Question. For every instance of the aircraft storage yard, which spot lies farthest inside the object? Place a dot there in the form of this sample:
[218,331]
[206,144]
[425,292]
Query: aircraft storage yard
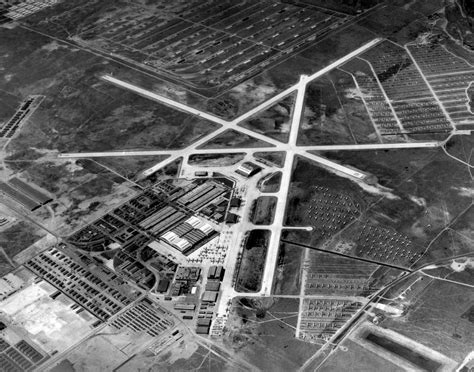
[279,185]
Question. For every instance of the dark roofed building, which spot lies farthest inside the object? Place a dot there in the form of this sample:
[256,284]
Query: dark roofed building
[231,218]
[204,322]
[163,285]
[18,196]
[29,191]
[235,203]
[202,330]
[213,285]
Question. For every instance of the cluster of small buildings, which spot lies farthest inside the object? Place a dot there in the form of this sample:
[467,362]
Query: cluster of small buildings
[209,298]
[185,279]
[9,284]
[26,109]
[77,282]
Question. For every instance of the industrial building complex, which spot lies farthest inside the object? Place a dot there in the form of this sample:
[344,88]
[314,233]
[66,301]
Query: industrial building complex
[236,185]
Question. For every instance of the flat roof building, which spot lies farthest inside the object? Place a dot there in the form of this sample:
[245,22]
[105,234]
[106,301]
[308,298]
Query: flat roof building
[163,285]
[9,284]
[209,296]
[231,218]
[30,191]
[235,202]
[202,330]
[204,322]
[185,306]
[19,197]
[213,285]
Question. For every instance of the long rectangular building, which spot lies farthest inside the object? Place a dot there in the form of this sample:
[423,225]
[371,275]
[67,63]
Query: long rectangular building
[30,191]
[19,197]
[81,285]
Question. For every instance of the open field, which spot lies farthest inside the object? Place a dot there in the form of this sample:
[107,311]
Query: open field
[192,356]
[392,167]
[448,244]
[334,113]
[264,211]
[215,160]
[81,112]
[14,239]
[266,326]
[270,183]
[276,158]
[130,166]
[9,104]
[460,270]
[81,190]
[170,170]
[231,138]
[350,353]
[252,263]
[274,122]
[428,191]
[421,321]
[288,272]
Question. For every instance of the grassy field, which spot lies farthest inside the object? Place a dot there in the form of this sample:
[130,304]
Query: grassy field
[9,104]
[275,122]
[80,111]
[233,139]
[276,158]
[270,183]
[215,160]
[428,193]
[170,170]
[333,114]
[81,191]
[360,359]
[287,279]
[130,166]
[266,326]
[391,167]
[264,211]
[252,266]
[14,239]
[441,300]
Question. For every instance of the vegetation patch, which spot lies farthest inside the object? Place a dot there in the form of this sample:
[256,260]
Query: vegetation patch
[263,211]
[252,262]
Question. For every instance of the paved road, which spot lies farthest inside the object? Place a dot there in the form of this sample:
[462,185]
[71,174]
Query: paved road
[290,148]
[371,146]
[159,98]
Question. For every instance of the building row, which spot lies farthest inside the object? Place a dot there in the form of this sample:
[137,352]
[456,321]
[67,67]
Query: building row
[24,194]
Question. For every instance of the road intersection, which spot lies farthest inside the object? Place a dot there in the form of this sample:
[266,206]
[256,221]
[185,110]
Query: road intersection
[291,149]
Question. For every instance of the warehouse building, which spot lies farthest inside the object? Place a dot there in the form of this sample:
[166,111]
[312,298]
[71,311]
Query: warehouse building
[248,169]
[19,197]
[31,192]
